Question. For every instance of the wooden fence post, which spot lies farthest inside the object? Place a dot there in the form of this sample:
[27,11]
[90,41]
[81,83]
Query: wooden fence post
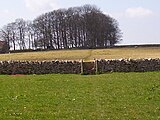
[82,72]
[96,62]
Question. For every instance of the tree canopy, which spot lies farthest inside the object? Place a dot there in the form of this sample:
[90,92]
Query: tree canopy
[75,27]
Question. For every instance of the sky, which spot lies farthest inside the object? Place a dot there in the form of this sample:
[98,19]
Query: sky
[139,20]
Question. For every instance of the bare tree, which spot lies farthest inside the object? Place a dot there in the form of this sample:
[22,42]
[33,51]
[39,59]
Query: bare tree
[75,27]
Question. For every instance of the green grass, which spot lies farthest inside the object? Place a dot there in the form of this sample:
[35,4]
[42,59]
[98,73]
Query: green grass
[114,96]
[114,53]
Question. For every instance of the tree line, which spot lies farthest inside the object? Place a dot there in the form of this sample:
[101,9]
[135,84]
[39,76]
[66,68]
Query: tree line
[75,27]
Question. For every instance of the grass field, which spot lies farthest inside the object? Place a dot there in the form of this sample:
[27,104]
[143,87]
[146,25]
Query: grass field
[115,96]
[114,53]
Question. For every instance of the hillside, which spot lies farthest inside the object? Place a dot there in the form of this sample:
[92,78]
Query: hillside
[90,54]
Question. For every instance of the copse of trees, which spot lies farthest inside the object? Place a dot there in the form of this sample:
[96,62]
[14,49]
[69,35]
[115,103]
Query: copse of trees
[76,27]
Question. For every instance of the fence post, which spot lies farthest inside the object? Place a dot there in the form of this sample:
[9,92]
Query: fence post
[82,72]
[96,62]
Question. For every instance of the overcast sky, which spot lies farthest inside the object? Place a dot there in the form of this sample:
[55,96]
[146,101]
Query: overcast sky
[139,20]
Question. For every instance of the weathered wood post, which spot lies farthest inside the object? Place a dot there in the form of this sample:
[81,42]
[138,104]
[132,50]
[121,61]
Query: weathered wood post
[96,65]
[82,71]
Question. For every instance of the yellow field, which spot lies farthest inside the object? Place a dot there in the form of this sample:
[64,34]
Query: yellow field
[114,53]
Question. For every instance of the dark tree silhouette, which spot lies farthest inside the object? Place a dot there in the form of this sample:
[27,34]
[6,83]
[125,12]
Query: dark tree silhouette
[75,27]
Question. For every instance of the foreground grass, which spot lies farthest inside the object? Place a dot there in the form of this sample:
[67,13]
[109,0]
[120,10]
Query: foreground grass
[116,96]
[114,53]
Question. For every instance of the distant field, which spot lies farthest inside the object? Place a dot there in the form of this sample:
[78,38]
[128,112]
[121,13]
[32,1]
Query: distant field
[114,53]
[116,96]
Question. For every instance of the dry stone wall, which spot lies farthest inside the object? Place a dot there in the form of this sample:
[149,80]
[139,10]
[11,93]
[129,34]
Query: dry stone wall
[77,67]
[17,67]
[128,65]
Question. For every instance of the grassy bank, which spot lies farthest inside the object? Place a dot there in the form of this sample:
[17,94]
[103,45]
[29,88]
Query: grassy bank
[114,53]
[116,96]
